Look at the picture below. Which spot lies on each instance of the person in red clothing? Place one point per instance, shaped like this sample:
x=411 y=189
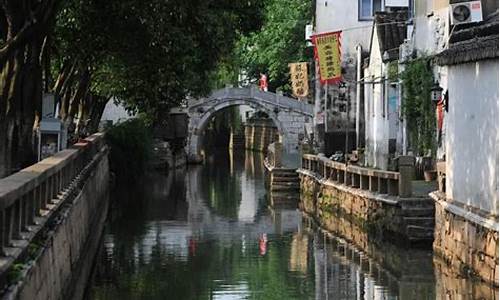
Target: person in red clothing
x=263 y=82
x=263 y=244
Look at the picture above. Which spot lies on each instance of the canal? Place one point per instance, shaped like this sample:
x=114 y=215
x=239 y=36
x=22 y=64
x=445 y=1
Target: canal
x=208 y=232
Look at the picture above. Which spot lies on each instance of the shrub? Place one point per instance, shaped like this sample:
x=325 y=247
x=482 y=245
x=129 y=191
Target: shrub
x=131 y=144
x=417 y=108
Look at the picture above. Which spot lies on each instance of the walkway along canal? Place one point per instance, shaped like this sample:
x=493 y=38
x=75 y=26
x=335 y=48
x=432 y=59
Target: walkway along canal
x=210 y=233
x=51 y=218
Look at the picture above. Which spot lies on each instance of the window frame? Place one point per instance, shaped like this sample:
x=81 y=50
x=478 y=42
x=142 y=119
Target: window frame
x=361 y=17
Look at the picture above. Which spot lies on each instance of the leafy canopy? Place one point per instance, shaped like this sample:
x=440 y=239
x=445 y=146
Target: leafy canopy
x=150 y=54
x=280 y=42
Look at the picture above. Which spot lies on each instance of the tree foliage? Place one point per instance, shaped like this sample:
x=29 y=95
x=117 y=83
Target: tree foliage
x=279 y=42
x=153 y=54
x=418 y=108
x=131 y=144
x=149 y=55
x=24 y=26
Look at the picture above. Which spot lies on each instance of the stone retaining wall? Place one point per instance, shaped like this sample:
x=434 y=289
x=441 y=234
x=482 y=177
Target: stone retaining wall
x=450 y=284
x=321 y=200
x=409 y=269
x=388 y=218
x=62 y=269
x=468 y=247
x=60 y=258
x=259 y=136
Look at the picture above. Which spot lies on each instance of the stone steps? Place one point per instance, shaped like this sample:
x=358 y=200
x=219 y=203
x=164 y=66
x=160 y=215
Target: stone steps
x=415 y=232
x=419 y=212
x=418 y=215
x=282 y=188
x=285 y=197
x=286 y=179
x=416 y=202
x=420 y=221
x=285 y=173
x=284 y=183
x=285 y=200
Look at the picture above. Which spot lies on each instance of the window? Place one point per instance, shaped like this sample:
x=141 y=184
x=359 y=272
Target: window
x=367 y=8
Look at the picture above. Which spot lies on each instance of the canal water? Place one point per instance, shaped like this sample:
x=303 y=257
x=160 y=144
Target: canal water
x=210 y=233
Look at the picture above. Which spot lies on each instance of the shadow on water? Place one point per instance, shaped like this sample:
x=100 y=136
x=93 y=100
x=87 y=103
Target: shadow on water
x=208 y=233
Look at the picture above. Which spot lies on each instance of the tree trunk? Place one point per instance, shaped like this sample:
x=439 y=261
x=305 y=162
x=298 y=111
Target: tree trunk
x=94 y=112
x=9 y=84
x=31 y=104
x=80 y=93
x=20 y=78
x=66 y=93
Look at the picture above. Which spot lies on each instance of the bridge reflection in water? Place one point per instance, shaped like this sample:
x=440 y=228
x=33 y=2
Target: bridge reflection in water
x=208 y=233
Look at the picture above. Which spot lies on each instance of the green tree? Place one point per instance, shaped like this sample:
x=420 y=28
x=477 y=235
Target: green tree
x=148 y=55
x=279 y=42
x=24 y=29
x=418 y=108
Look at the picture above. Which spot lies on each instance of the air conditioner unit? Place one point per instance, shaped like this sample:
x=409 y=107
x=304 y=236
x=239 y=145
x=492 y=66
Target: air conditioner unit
x=466 y=12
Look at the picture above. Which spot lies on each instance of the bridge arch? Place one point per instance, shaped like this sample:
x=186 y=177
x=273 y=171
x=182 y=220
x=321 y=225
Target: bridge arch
x=289 y=115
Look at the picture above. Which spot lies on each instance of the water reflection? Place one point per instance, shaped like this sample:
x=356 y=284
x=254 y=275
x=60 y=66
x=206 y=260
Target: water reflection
x=208 y=234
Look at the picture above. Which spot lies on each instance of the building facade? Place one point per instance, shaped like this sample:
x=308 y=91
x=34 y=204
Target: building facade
x=382 y=100
x=336 y=117
x=378 y=44
x=466 y=232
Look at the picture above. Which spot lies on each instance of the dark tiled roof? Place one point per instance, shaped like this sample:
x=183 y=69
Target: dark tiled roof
x=391 y=31
x=472 y=43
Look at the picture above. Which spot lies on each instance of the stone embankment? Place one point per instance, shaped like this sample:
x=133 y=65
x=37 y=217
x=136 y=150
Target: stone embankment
x=466 y=241
x=381 y=201
x=409 y=273
x=282 y=182
x=259 y=134
x=51 y=219
x=237 y=141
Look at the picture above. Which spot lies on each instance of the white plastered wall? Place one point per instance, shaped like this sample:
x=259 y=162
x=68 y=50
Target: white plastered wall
x=472 y=135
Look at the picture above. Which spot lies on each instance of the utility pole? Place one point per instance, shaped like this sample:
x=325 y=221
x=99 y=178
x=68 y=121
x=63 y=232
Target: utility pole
x=347 y=122
x=358 y=95
x=318 y=144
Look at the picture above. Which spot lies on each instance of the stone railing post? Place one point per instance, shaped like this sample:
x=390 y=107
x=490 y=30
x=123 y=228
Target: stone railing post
x=406 y=170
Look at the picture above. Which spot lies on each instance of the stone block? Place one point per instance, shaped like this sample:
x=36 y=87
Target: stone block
x=392 y=187
x=373 y=184
x=347 y=178
x=365 y=182
x=491 y=242
x=382 y=185
x=341 y=176
x=285 y=118
x=355 y=181
x=406 y=161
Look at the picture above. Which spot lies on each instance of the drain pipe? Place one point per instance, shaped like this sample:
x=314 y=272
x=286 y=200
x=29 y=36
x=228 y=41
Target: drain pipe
x=359 y=62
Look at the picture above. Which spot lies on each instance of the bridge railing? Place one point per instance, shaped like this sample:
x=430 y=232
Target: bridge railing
x=378 y=181
x=253 y=91
x=29 y=197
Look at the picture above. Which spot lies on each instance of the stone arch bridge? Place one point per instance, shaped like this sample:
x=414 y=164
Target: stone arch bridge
x=289 y=115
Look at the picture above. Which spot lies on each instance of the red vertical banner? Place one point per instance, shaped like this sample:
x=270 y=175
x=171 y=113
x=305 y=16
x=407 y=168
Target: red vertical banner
x=327 y=52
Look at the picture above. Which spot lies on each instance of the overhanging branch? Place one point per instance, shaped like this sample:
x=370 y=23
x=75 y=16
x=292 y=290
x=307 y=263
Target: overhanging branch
x=36 y=23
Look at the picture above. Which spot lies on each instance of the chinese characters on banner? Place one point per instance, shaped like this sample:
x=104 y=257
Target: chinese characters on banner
x=327 y=54
x=299 y=78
